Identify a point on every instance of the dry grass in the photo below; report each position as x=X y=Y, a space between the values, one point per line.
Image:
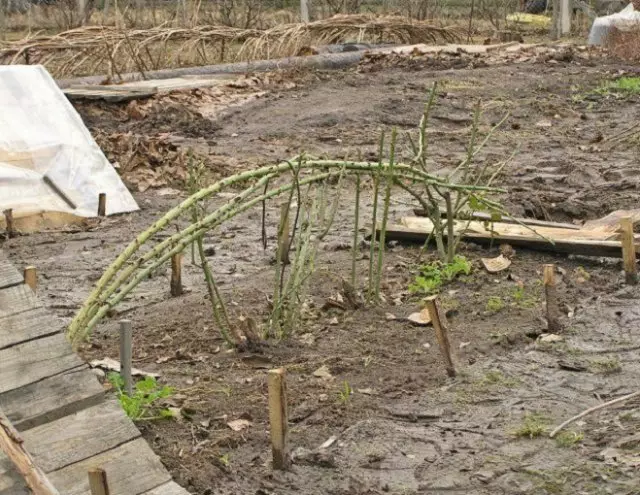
x=287 y=40
x=114 y=51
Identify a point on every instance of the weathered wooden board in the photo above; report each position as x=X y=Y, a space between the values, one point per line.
x=79 y=436
x=132 y=469
x=31 y=361
x=8 y=274
x=171 y=488
x=583 y=242
x=51 y=398
x=27 y=325
x=17 y=299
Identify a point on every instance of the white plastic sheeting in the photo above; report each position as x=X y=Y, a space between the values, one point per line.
x=625 y=19
x=49 y=162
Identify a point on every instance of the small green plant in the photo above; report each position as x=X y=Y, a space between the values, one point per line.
x=533 y=425
x=569 y=438
x=494 y=304
x=619 y=88
x=141 y=405
x=434 y=275
x=497 y=378
x=224 y=459
x=345 y=392
x=582 y=273
x=606 y=366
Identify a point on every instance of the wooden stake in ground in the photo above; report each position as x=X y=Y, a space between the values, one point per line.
x=31 y=277
x=126 y=337
x=98 y=482
x=11 y=444
x=8 y=218
x=278 y=417
x=439 y=321
x=553 y=312
x=283 y=234
x=628 y=250
x=176 y=274
x=102 y=204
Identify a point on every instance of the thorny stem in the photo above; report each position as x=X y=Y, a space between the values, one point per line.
x=354 y=249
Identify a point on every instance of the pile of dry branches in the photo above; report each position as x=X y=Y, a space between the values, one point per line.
x=94 y=49
x=110 y=50
x=287 y=39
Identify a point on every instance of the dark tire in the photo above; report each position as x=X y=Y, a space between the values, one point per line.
x=535 y=6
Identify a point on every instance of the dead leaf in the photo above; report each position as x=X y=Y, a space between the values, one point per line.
x=495 y=265
x=239 y=424
x=113 y=365
x=422 y=319
x=323 y=372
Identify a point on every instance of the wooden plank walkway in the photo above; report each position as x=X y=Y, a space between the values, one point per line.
x=68 y=423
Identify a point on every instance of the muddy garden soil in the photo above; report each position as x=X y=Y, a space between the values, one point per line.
x=407 y=427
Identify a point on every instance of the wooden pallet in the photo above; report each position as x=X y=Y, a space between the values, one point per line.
x=68 y=423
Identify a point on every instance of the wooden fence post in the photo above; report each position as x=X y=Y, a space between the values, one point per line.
x=551 y=298
x=31 y=277
x=439 y=322
x=10 y=227
x=98 y=482
x=278 y=417
x=176 y=274
x=126 y=334
x=102 y=204
x=628 y=250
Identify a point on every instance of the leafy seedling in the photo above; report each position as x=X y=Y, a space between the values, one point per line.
x=142 y=404
x=345 y=393
x=569 y=438
x=533 y=425
x=433 y=276
x=494 y=304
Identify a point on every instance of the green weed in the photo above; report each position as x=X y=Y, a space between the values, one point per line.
x=497 y=378
x=345 y=392
x=494 y=304
x=434 y=275
x=533 y=425
x=606 y=366
x=569 y=438
x=619 y=88
x=141 y=405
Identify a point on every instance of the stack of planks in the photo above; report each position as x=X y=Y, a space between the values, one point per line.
x=68 y=423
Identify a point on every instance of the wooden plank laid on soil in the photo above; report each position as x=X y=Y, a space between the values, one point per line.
x=486 y=217
x=76 y=437
x=31 y=361
x=171 y=488
x=17 y=299
x=27 y=325
x=9 y=275
x=583 y=242
x=52 y=398
x=132 y=469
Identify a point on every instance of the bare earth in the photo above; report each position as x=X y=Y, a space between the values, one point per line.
x=407 y=428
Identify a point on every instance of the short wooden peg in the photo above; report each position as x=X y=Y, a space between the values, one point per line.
x=283 y=234
x=551 y=297
x=628 y=250
x=102 y=204
x=278 y=417
x=176 y=274
x=98 y=482
x=439 y=322
x=126 y=337
x=8 y=219
x=31 y=277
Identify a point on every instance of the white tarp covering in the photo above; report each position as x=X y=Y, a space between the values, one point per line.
x=49 y=162
x=627 y=18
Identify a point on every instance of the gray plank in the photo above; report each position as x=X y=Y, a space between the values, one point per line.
x=132 y=469
x=31 y=361
x=9 y=275
x=17 y=299
x=171 y=488
x=52 y=398
x=79 y=436
x=27 y=325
